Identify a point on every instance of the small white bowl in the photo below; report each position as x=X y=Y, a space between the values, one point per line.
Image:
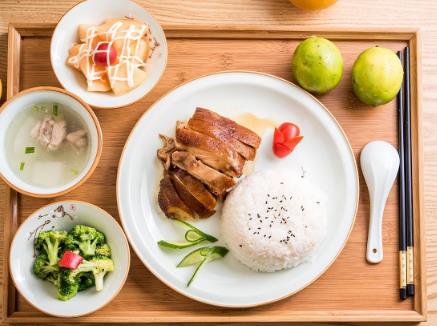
x=63 y=216
x=20 y=102
x=94 y=12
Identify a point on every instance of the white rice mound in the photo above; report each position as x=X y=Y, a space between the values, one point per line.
x=274 y=220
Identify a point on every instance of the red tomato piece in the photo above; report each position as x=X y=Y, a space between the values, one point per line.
x=285 y=139
x=105 y=54
x=289 y=130
x=70 y=260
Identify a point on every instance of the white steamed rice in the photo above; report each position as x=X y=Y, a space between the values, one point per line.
x=273 y=220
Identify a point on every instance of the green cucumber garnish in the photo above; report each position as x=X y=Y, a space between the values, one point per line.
x=193 y=236
x=200 y=257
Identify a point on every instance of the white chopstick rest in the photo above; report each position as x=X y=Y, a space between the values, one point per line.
x=380 y=165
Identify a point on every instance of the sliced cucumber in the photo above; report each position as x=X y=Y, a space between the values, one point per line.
x=200 y=257
x=204 y=235
x=192 y=236
x=178 y=245
x=199 y=266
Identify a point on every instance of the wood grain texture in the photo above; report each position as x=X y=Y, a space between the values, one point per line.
x=330 y=298
x=404 y=13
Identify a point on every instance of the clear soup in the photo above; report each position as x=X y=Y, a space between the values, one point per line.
x=47 y=145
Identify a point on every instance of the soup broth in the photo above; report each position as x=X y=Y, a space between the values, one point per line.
x=47 y=145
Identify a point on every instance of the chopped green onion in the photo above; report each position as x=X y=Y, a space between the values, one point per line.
x=29 y=150
x=38 y=108
x=22 y=166
x=55 y=109
x=74 y=171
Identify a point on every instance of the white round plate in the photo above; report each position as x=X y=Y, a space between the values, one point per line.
x=63 y=216
x=94 y=12
x=324 y=153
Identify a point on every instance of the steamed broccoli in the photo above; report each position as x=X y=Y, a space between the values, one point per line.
x=86 y=280
x=101 y=266
x=98 y=266
x=67 y=287
x=42 y=269
x=84 y=238
x=50 y=243
x=103 y=250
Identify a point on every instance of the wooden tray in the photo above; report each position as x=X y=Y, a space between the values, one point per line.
x=351 y=290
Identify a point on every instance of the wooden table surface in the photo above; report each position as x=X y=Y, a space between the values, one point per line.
x=346 y=13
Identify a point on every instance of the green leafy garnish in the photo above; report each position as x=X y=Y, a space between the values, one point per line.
x=22 y=166
x=193 y=236
x=200 y=257
x=29 y=150
x=74 y=171
x=55 y=109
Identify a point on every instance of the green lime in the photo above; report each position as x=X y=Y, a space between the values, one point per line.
x=317 y=65
x=377 y=76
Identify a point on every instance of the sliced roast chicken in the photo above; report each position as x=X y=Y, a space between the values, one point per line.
x=202 y=163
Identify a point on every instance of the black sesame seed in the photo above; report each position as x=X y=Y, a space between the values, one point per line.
x=241 y=246
x=281 y=183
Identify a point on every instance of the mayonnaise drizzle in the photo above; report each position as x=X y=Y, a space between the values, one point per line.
x=130 y=60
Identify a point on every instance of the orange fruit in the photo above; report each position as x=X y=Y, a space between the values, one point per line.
x=313 y=4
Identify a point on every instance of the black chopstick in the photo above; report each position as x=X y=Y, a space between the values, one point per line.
x=408 y=176
x=402 y=219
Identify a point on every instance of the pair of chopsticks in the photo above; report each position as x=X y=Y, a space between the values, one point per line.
x=406 y=231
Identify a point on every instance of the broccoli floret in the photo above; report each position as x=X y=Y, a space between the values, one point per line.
x=43 y=270
x=54 y=279
x=86 y=280
x=84 y=238
x=50 y=243
x=102 y=265
x=67 y=288
x=87 y=274
x=103 y=250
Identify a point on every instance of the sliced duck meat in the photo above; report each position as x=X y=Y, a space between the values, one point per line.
x=193 y=193
x=210 y=151
x=164 y=153
x=218 y=182
x=209 y=127
x=232 y=128
x=170 y=202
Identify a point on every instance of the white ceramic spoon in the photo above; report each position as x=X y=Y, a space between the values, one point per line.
x=380 y=165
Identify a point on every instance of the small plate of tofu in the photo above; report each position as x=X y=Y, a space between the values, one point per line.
x=109 y=53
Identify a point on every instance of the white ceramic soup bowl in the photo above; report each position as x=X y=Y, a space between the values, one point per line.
x=21 y=102
x=64 y=215
x=95 y=12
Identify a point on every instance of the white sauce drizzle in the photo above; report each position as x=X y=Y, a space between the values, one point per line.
x=130 y=60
